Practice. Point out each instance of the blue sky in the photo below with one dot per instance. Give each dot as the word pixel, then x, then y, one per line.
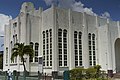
pixel 12 7
pixel 105 8
pixel 101 6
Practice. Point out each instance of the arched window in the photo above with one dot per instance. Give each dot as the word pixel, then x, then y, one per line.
pixel 60 46
pixel 46 33
pixel 89 36
pixel 78 48
pixel 31 59
pixel 80 35
pixel 31 43
pixel 50 32
pixel 44 48
pixel 43 34
pixel 11 46
pixel 92 56
pixel 36 52
pixel 6 55
pixel 59 32
pixel 90 50
pixel 47 48
pixel 65 46
pixel 50 61
pixel 16 38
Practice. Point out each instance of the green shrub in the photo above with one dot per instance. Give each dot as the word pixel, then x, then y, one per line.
pixel 77 73
pixel 92 73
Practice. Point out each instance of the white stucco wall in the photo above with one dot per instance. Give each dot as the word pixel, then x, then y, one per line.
pixel 31 23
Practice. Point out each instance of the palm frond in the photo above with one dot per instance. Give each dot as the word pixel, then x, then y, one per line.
pixel 16 44
pixel 21 50
pixel 14 49
pixel 14 54
pixel 28 50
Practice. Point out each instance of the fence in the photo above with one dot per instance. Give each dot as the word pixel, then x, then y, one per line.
pixel 30 76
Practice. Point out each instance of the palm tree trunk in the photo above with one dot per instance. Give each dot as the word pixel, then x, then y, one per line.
pixel 24 73
pixel 24 64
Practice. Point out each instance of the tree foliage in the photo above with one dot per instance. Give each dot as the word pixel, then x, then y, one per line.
pixel 89 73
pixel 77 73
pixel 20 49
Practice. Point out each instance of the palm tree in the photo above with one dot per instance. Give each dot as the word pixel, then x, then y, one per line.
pixel 20 50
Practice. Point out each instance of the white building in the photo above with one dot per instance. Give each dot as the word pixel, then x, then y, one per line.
pixel 66 39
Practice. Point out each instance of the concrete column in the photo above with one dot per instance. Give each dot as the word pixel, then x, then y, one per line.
pixel 19 33
pixel 96 42
pixel 109 55
pixel 23 28
pixel 85 48
pixel 9 52
pixel 28 37
pixel 71 44
pixel 55 62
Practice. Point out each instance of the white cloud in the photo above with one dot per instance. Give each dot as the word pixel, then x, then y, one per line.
pixel 89 11
pixel 70 4
pixel 105 15
pixel 78 6
pixel 48 2
pixel 75 6
pixel 4 20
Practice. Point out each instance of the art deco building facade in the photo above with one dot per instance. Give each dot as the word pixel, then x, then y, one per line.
pixel 64 38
